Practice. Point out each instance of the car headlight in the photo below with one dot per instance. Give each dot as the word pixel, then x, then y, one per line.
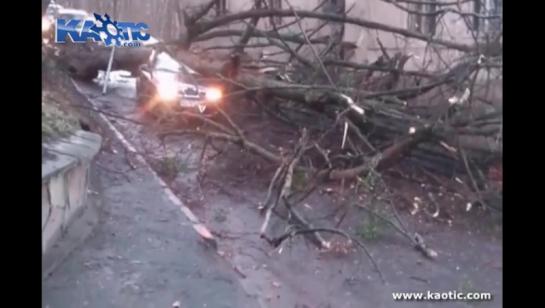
pixel 167 88
pixel 213 95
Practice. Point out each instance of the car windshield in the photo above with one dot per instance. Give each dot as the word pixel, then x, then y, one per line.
pixel 166 63
pixel 164 73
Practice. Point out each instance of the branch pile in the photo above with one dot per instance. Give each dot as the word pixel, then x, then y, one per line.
pixel 377 114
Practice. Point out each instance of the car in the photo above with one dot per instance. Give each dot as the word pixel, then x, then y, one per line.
pixel 166 83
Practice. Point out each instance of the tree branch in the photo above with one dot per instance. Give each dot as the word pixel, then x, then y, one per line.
pixel 261 34
pixel 202 27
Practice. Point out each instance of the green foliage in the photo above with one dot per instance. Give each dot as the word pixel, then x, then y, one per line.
pixel 55 122
pixel 57 118
pixel 370 181
pixel 371 228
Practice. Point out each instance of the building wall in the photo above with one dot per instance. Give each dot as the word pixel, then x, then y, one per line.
pixel 264 24
pixel 451 27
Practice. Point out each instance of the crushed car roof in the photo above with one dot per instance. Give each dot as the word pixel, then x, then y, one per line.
pixel 166 62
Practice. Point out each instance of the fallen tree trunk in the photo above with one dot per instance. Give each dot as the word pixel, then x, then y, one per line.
pixel 378 120
pixel 84 61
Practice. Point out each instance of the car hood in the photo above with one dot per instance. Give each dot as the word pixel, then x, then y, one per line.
pixel 166 62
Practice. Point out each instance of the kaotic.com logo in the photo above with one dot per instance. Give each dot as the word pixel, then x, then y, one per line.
pixel 103 29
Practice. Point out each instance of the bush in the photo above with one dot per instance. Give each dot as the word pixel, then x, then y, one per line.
pixel 55 122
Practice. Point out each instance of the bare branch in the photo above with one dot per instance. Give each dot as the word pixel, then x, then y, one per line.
pixel 203 27
pixel 441 11
pixel 285 189
pixel 270 156
pixel 316 55
pixel 358 66
pixel 247 35
pixel 277 241
pixel 272 34
pixel 201 12
pixel 438 3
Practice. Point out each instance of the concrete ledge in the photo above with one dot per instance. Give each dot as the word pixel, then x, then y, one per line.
pixel 65 179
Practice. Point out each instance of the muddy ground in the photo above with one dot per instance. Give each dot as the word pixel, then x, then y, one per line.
pixel 226 191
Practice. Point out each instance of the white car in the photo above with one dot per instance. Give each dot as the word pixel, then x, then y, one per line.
pixel 166 82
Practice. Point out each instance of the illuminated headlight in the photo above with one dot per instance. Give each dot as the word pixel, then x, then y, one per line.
pixel 213 95
pixel 167 90
pixel 167 87
pixel 46 24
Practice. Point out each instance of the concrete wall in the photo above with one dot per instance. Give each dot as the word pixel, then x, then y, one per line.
pixel 65 179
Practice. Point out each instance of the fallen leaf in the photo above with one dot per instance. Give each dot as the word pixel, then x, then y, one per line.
pixel 415 210
pixel 328 190
pixel 432 253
